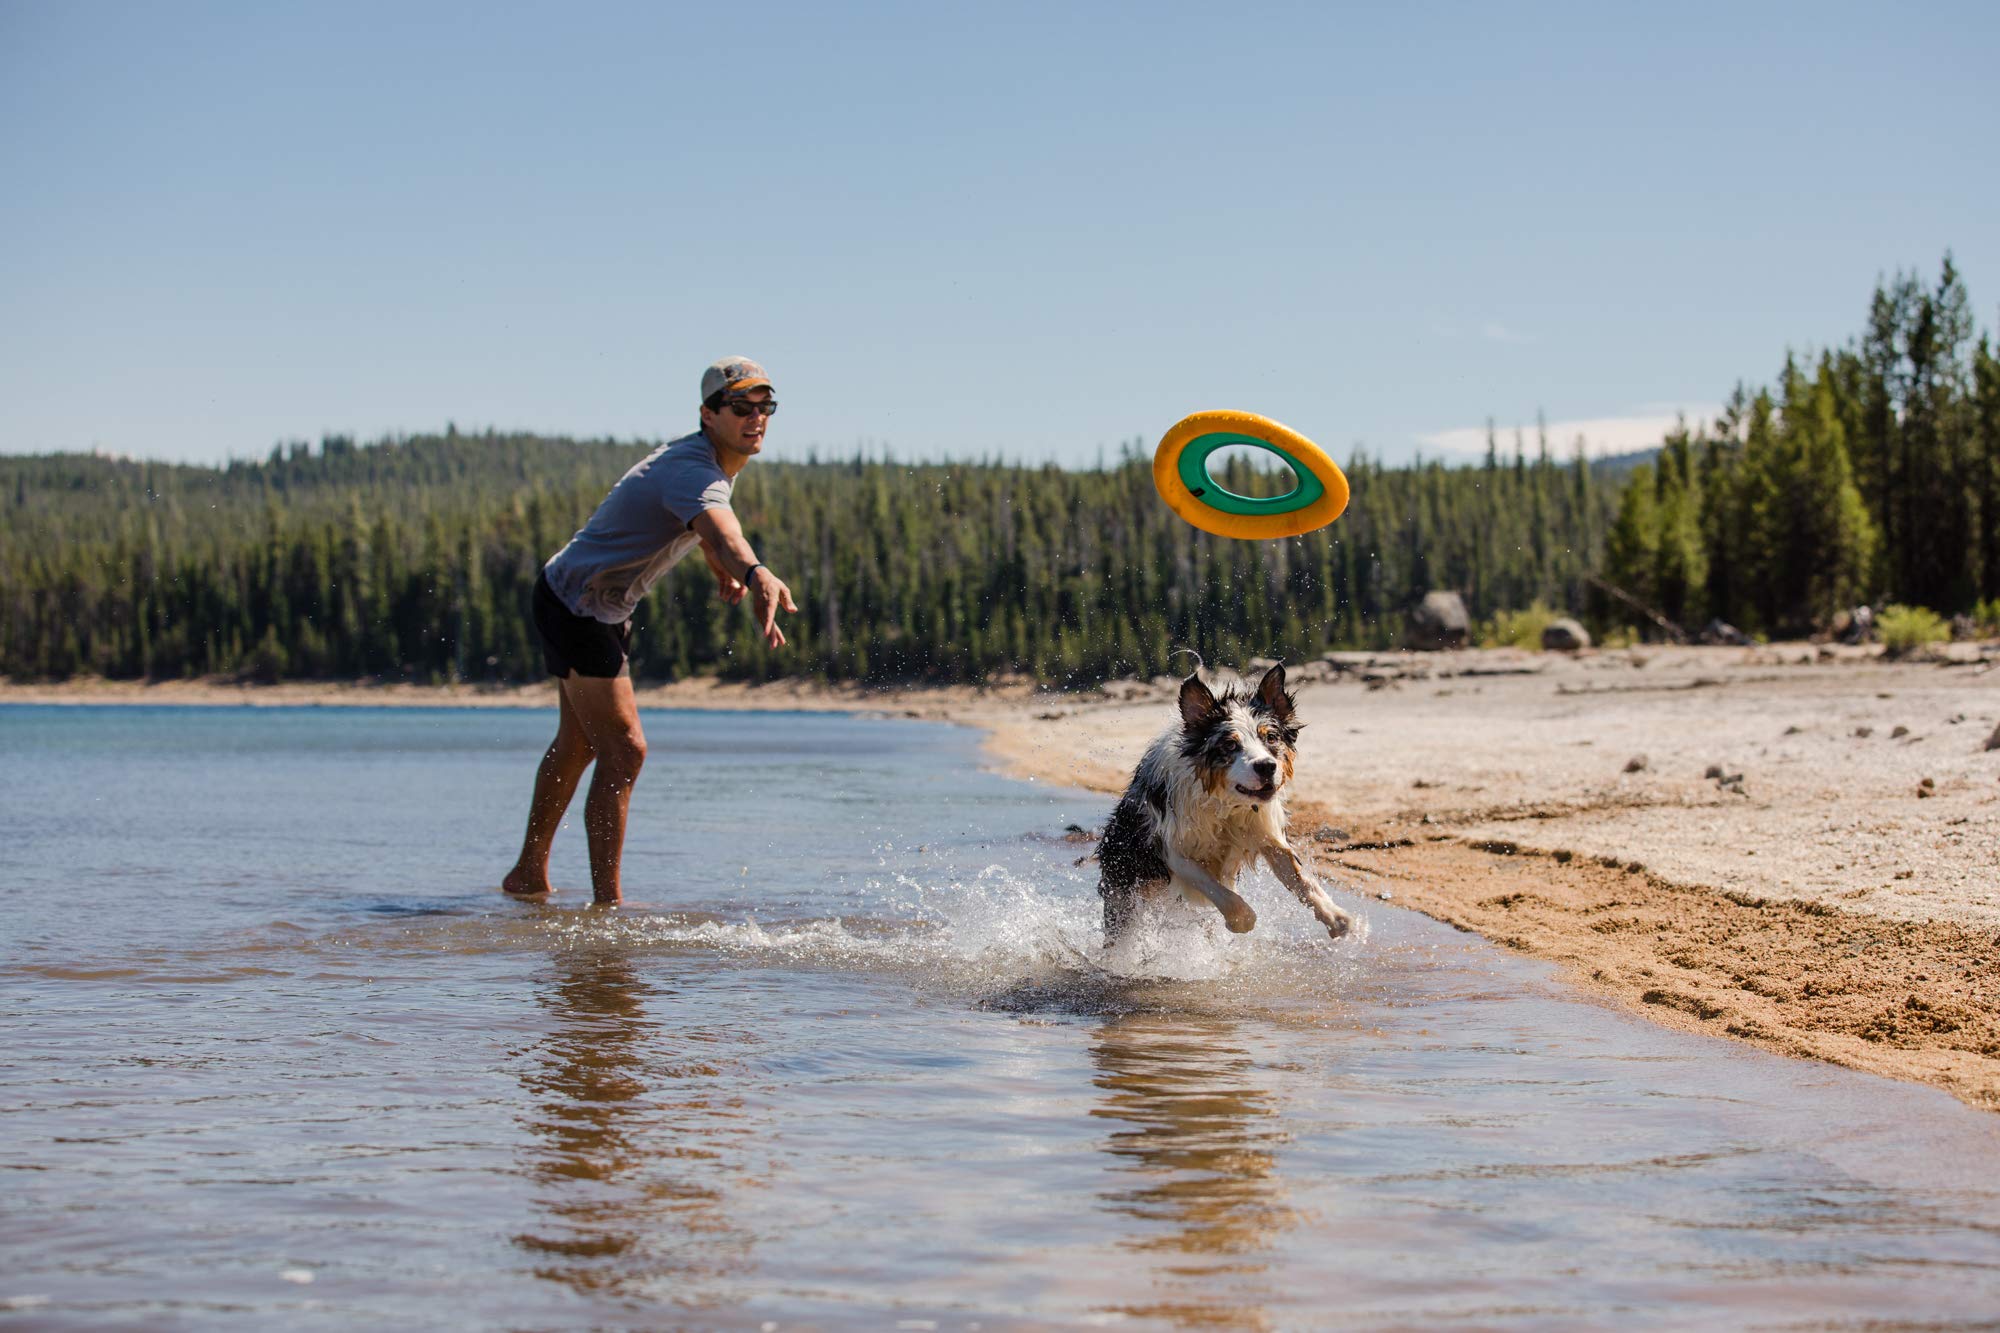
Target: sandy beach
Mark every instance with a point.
(1794, 846)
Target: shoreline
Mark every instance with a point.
(933, 702)
(1793, 846)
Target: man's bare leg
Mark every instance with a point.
(555, 783)
(609, 716)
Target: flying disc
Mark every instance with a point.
(1180, 472)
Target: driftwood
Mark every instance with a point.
(1667, 627)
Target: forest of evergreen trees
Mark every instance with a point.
(1875, 475)
(1872, 474)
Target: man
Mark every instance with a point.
(666, 506)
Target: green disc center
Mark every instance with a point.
(1306, 488)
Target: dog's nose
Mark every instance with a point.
(1265, 768)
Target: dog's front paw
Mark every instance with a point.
(1239, 917)
(1337, 923)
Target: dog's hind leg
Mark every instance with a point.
(1291, 871)
(1236, 914)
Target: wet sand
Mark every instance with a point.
(1792, 846)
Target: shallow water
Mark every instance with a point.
(273, 1053)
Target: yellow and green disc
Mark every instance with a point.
(1180, 471)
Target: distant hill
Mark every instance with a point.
(1615, 468)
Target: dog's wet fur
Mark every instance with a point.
(1207, 800)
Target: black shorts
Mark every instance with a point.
(571, 642)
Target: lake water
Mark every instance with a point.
(274, 1053)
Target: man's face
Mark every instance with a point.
(737, 424)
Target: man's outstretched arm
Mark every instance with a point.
(721, 534)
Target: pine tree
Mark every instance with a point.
(1632, 550)
(1985, 456)
(1680, 570)
(1809, 541)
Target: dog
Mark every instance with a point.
(1207, 800)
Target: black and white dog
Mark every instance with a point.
(1207, 800)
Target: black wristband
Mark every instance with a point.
(752, 570)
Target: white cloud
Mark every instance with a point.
(1602, 435)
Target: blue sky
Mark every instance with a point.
(958, 231)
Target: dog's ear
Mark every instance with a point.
(1196, 701)
(1271, 694)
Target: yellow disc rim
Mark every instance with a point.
(1294, 447)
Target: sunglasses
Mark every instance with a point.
(743, 407)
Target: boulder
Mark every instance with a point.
(1564, 635)
(1439, 622)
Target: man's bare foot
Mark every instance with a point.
(522, 883)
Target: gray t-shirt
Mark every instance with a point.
(640, 531)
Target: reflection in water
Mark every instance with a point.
(1196, 1161)
(630, 1147)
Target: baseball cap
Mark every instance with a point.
(734, 374)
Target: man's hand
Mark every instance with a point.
(726, 583)
(725, 547)
(770, 593)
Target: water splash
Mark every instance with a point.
(1017, 939)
